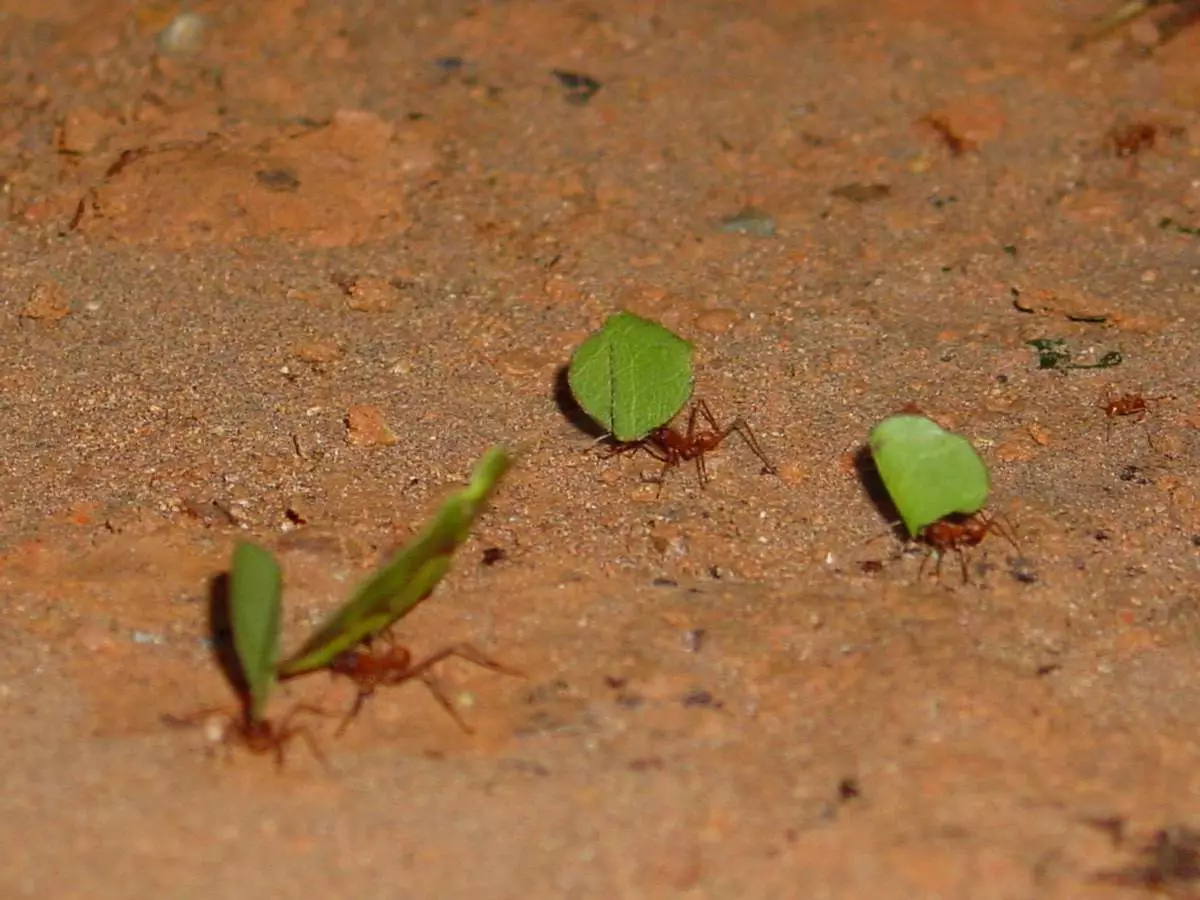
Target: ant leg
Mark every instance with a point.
(743, 429)
(962, 561)
(1003, 527)
(1121, 15)
(191, 720)
(465, 652)
(702, 408)
(287, 732)
(739, 425)
(662, 476)
(440, 696)
(1175, 21)
(364, 691)
(287, 735)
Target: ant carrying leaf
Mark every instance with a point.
(631, 376)
(370, 670)
(255, 587)
(409, 577)
(392, 593)
(672, 447)
(938, 484)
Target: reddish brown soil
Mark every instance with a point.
(290, 284)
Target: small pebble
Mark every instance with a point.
(716, 321)
(47, 302)
(184, 36)
(365, 427)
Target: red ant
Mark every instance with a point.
(258, 736)
(672, 447)
(369, 670)
(1126, 405)
(958, 532)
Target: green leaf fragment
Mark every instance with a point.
(411, 575)
(749, 221)
(631, 376)
(929, 473)
(255, 589)
(1052, 352)
(1169, 223)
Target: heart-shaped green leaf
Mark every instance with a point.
(255, 589)
(631, 376)
(929, 472)
(411, 575)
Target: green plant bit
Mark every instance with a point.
(1169, 223)
(1053, 354)
(411, 575)
(631, 376)
(255, 592)
(672, 447)
(255, 589)
(370, 670)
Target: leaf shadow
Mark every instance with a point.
(220, 629)
(872, 483)
(571, 410)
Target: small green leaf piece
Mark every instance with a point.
(255, 588)
(929, 473)
(631, 376)
(1052, 352)
(411, 575)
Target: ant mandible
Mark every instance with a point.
(671, 447)
(958, 532)
(370, 670)
(258, 736)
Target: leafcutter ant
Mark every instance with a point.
(370, 670)
(672, 447)
(258, 736)
(1126, 405)
(957, 533)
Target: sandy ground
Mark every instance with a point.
(287, 277)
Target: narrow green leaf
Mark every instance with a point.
(411, 575)
(929, 473)
(255, 588)
(631, 376)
